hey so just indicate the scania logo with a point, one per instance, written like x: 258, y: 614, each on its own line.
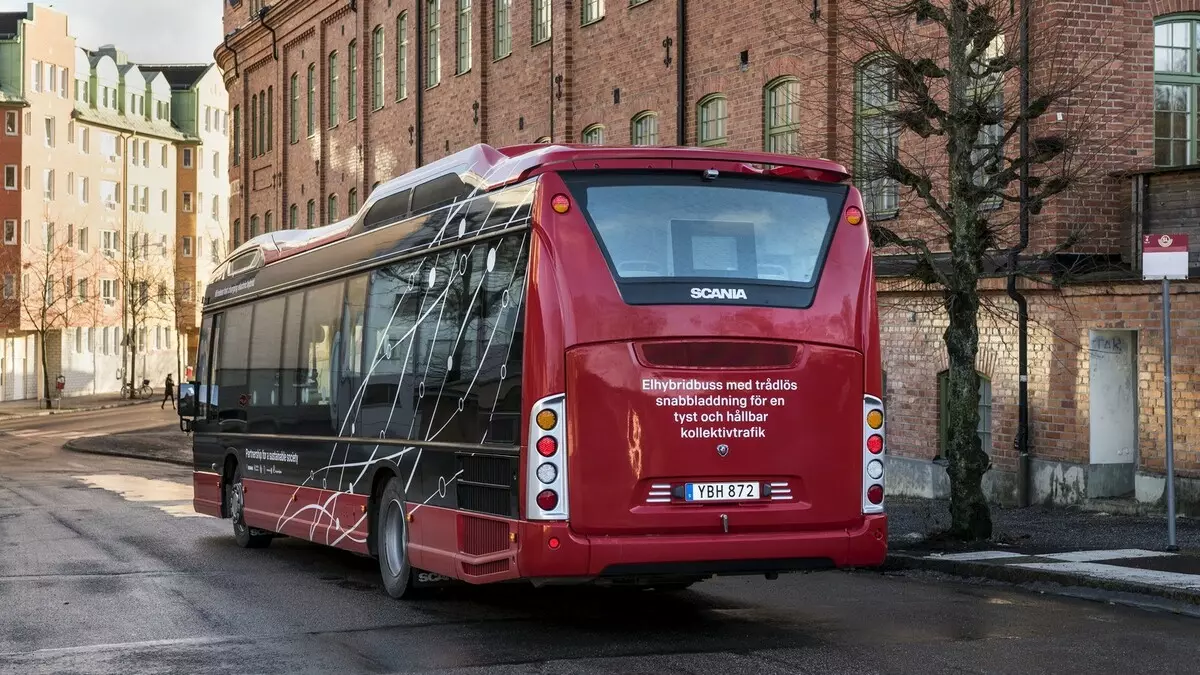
x: 1165, y: 241
x: 722, y: 449
x: 719, y: 293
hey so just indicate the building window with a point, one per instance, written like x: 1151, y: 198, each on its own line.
x: 312, y: 100
x: 1176, y: 82
x: 877, y: 138
x: 254, y: 125
x: 11, y: 122
x: 270, y: 135
x: 711, y: 114
x: 593, y: 10
x: 268, y: 221
x: 503, y: 37
x: 50, y: 132
x: 332, y: 98
x: 433, y: 42
x: 237, y: 232
x: 293, y: 111
x: 352, y: 204
x: 644, y: 129
x: 186, y: 247
x: 11, y: 177
x: 10, y: 232
x: 782, y: 105
x: 985, y: 411
x: 541, y: 21
x: 187, y: 158
x: 989, y: 150
x: 352, y: 81
x: 312, y: 214
x: 463, y: 41
x: 187, y: 202
x: 253, y: 228
x: 594, y: 135
x: 402, y: 56
x: 293, y: 216
x: 377, y: 68
x: 331, y: 214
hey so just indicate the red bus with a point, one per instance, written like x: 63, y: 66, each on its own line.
x: 558, y: 364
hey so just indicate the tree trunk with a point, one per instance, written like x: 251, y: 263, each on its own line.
x: 45, y: 368
x: 970, y: 518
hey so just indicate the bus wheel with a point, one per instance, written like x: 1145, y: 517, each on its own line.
x: 246, y: 537
x: 391, y: 528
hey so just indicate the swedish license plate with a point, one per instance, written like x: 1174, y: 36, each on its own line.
x: 720, y: 492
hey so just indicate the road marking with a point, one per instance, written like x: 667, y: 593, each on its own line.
x: 1095, y: 556
x: 45, y: 433
x: 981, y: 555
x: 1116, y: 573
x: 167, y: 496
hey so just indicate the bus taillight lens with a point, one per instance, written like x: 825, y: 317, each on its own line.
x: 547, y: 419
x: 548, y: 499
x: 875, y: 419
x: 875, y: 444
x: 547, y: 472
x: 560, y: 204
x: 875, y: 469
x: 874, y: 494
x: 854, y: 215
x: 547, y: 446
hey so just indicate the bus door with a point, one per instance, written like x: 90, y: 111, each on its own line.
x: 205, y: 387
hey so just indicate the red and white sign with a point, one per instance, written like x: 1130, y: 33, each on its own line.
x: 1164, y: 256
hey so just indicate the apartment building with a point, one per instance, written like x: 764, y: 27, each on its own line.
x: 93, y: 291
x: 329, y: 98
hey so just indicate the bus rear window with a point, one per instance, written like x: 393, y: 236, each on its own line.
x: 673, y: 226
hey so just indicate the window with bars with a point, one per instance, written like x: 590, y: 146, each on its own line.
x: 463, y: 38
x: 433, y: 42
x: 876, y: 137
x: 541, y: 21
x: 985, y: 411
x: 1176, y: 83
x: 782, y: 107
x: 711, y: 114
x: 644, y: 129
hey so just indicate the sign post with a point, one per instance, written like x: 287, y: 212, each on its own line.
x: 1165, y: 257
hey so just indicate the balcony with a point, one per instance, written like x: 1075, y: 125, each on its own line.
x: 1165, y: 201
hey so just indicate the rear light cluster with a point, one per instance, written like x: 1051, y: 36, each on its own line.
x: 546, y: 474
x: 873, y: 445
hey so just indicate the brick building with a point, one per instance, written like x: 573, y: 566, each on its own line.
x: 330, y: 97
x: 98, y: 154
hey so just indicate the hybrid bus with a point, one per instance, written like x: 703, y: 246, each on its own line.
x: 557, y: 364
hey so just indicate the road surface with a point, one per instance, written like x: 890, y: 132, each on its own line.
x: 105, y: 569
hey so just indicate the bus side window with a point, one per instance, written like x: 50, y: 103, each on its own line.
x: 263, y: 379
x: 232, y: 367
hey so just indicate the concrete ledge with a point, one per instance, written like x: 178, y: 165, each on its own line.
x: 927, y: 479
x: 1020, y: 575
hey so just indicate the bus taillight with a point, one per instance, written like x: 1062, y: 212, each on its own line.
x: 873, y: 435
x: 546, y: 471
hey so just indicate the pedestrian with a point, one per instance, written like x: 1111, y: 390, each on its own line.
x: 169, y: 392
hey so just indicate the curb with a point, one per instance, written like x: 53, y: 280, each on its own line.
x: 1020, y: 575
x: 71, y: 446
x: 68, y: 411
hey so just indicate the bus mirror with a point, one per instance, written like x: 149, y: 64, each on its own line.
x: 186, y: 404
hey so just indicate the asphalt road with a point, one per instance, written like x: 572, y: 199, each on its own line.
x: 104, y: 569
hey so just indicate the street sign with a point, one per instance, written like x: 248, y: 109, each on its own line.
x: 1165, y: 256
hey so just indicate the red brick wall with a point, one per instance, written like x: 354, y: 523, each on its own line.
x: 10, y: 209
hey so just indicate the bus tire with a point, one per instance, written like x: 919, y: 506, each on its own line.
x: 246, y: 537
x: 391, y: 530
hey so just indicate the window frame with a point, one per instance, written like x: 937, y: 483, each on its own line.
x: 984, y: 429
x: 641, y: 119
x: 541, y: 19
x: 433, y: 43
x: 501, y: 29
x: 723, y: 122
x: 378, y: 40
x: 590, y: 12
x: 792, y: 127
x: 401, y: 56
x: 1173, y: 79
x: 592, y: 129
x: 331, y: 66
x: 886, y: 202
x: 462, y: 37
x: 352, y: 80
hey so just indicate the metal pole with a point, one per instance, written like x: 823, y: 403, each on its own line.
x: 1166, y: 322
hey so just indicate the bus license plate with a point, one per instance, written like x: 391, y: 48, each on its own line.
x: 720, y: 492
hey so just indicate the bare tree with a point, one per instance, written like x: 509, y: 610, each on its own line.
x: 934, y: 126
x: 146, y: 278
x: 48, y: 290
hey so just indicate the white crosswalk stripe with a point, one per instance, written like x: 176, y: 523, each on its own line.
x: 45, y: 433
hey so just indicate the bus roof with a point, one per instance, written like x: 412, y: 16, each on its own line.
x: 481, y: 168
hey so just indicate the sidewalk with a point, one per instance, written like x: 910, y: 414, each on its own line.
x: 67, y: 404
x: 1065, y: 546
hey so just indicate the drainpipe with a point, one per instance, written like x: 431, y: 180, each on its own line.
x: 419, y: 136
x: 681, y: 65
x: 1022, y: 436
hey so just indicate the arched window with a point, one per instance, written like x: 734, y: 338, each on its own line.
x: 312, y: 214
x: 268, y: 223
x: 711, y: 113
x: 253, y: 227
x: 985, y: 411
x: 433, y: 42
x: 377, y: 68
x: 352, y: 204
x: 781, y: 103
x: 543, y: 139
x: 1176, y: 87
x: 333, y: 89
x: 594, y: 135
x: 254, y: 125
x: 270, y: 119
x: 312, y: 100
x: 352, y: 80
x: 293, y: 216
x: 644, y: 129
x: 294, y: 110
x: 237, y: 232
x: 876, y: 137
x: 332, y: 212
x: 402, y: 56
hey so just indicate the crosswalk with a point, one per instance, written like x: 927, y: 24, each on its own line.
x: 49, y: 434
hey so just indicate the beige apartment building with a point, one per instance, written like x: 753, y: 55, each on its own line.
x: 102, y: 223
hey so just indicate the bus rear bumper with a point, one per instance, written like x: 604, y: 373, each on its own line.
x: 552, y: 550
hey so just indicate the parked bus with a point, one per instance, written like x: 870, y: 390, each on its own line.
x: 559, y: 364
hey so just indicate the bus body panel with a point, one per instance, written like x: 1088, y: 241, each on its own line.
x: 776, y: 432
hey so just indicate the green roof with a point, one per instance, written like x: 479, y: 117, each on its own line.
x: 139, y: 125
